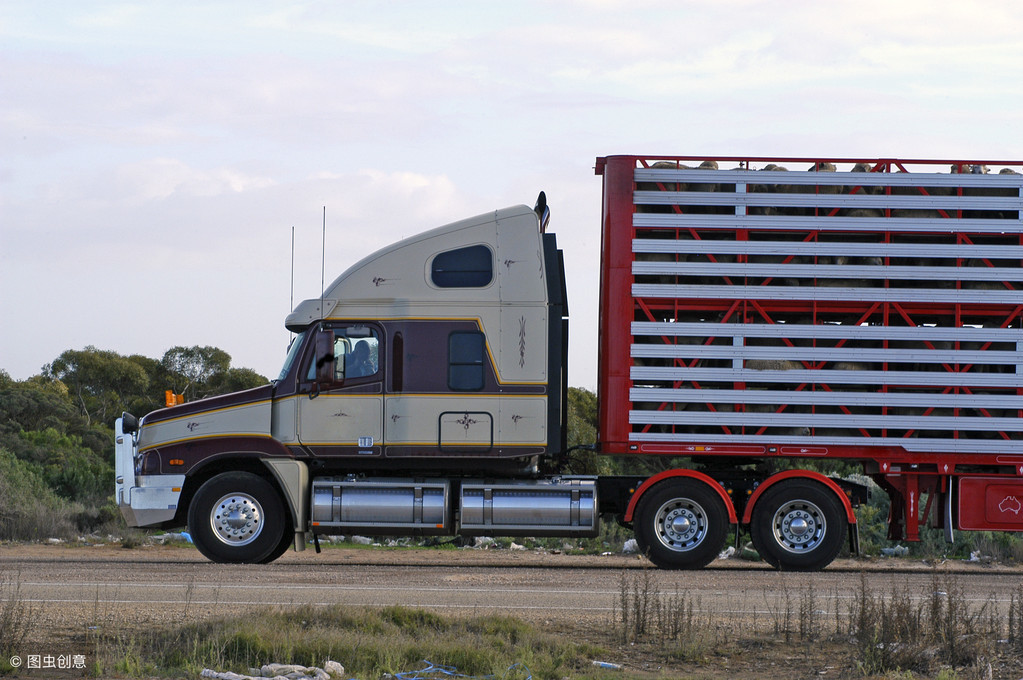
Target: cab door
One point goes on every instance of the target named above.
(340, 411)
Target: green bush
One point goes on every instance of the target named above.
(29, 509)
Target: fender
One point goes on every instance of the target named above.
(293, 477)
(803, 474)
(692, 474)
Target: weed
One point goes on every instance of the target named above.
(888, 631)
(780, 608)
(1015, 621)
(634, 607)
(896, 633)
(669, 621)
(809, 614)
(955, 629)
(15, 617)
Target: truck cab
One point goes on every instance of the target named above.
(437, 357)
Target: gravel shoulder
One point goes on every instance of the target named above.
(70, 591)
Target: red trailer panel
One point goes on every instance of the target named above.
(991, 504)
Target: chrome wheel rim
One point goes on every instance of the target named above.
(237, 519)
(799, 526)
(681, 524)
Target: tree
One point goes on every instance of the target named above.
(582, 431)
(98, 380)
(582, 416)
(55, 429)
(36, 404)
(236, 379)
(193, 370)
(159, 382)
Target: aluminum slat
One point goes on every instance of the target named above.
(949, 225)
(854, 179)
(816, 445)
(825, 420)
(825, 271)
(812, 200)
(815, 354)
(825, 331)
(825, 398)
(828, 293)
(826, 376)
(788, 248)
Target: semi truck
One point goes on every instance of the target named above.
(760, 319)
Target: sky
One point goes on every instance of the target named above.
(156, 157)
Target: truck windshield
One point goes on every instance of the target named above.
(293, 350)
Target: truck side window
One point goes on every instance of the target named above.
(356, 355)
(470, 267)
(362, 361)
(466, 351)
(341, 347)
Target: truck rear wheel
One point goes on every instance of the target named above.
(238, 517)
(681, 524)
(798, 525)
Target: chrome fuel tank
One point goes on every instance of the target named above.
(382, 505)
(562, 506)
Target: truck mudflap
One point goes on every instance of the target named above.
(144, 500)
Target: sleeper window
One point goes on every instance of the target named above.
(471, 267)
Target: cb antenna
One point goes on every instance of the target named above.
(292, 268)
(323, 258)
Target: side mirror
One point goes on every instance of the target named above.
(129, 423)
(325, 358)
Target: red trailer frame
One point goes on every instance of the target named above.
(864, 309)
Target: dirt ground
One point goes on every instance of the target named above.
(744, 608)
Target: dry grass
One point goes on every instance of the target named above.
(882, 633)
(368, 642)
(15, 619)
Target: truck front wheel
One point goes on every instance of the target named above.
(237, 517)
(798, 525)
(287, 538)
(681, 524)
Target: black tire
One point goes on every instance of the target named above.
(798, 525)
(287, 539)
(681, 524)
(237, 517)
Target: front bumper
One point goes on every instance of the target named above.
(144, 500)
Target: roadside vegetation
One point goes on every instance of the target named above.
(369, 643)
(887, 632)
(56, 432)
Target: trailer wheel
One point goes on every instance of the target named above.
(798, 525)
(237, 517)
(681, 525)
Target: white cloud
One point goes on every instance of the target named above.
(157, 155)
(161, 178)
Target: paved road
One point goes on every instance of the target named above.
(75, 589)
